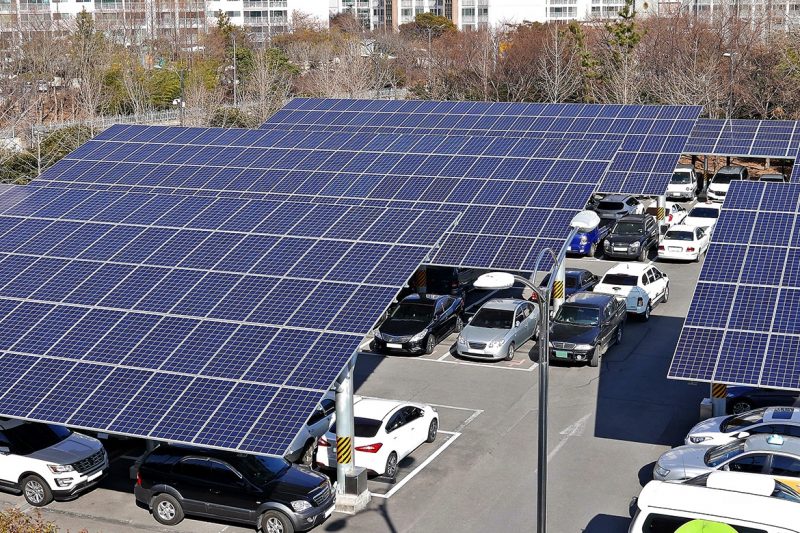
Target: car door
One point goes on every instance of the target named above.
(230, 496)
(9, 472)
(646, 283)
(415, 429)
(660, 281)
(520, 326)
(701, 240)
(532, 318)
(786, 469)
(754, 463)
(190, 477)
(606, 323)
(439, 328)
(319, 422)
(396, 435)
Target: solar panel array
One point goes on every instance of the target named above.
(210, 321)
(743, 325)
(651, 137)
(745, 138)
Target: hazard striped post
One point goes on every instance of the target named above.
(559, 291)
(344, 427)
(661, 214)
(344, 450)
(719, 395)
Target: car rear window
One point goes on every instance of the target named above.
(610, 206)
(704, 212)
(364, 427)
(620, 279)
(679, 236)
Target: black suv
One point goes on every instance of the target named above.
(632, 237)
(586, 326)
(265, 492)
(418, 323)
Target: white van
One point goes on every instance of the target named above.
(750, 503)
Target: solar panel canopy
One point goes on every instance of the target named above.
(745, 138)
(209, 321)
(743, 326)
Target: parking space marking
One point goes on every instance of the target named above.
(468, 363)
(573, 430)
(423, 464)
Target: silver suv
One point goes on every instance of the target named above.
(46, 462)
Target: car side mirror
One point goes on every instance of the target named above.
(742, 435)
(516, 324)
(5, 450)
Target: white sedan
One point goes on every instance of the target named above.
(674, 213)
(641, 285)
(385, 433)
(685, 243)
(766, 420)
(704, 216)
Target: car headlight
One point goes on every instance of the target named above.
(661, 471)
(698, 440)
(300, 505)
(419, 336)
(689, 188)
(584, 239)
(377, 334)
(461, 340)
(60, 469)
(606, 245)
(583, 347)
(634, 245)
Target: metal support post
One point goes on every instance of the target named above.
(181, 102)
(719, 393)
(559, 286)
(544, 371)
(344, 427)
(662, 212)
(705, 172)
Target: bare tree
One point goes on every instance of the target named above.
(269, 84)
(557, 75)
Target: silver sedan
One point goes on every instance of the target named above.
(498, 328)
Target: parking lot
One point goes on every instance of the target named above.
(607, 426)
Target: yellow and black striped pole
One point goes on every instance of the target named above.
(719, 394)
(559, 292)
(344, 450)
(661, 214)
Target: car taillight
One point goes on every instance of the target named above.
(640, 302)
(661, 247)
(690, 249)
(138, 479)
(669, 218)
(323, 442)
(370, 448)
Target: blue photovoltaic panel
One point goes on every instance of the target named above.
(335, 170)
(125, 313)
(743, 326)
(745, 138)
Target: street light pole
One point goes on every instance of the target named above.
(729, 113)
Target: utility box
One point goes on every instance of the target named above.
(705, 409)
(355, 482)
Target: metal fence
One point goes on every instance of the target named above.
(99, 123)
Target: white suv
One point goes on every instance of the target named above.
(46, 462)
(642, 286)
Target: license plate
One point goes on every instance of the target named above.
(328, 512)
(675, 249)
(94, 476)
(394, 345)
(562, 354)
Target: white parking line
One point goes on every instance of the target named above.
(573, 430)
(423, 464)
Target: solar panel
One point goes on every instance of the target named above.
(651, 137)
(745, 138)
(743, 326)
(200, 320)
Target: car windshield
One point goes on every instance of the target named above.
(675, 235)
(492, 318)
(723, 178)
(744, 420)
(413, 311)
(704, 212)
(628, 228)
(258, 467)
(582, 316)
(773, 177)
(719, 454)
(363, 427)
(681, 178)
(620, 279)
(28, 438)
(610, 206)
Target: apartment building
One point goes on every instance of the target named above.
(265, 18)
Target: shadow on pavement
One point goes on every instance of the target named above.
(340, 524)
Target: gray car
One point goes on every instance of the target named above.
(616, 206)
(498, 328)
(760, 454)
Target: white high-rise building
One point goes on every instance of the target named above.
(265, 18)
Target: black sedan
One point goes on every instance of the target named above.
(742, 399)
(418, 323)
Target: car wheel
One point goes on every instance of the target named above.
(593, 250)
(36, 491)
(309, 453)
(643, 255)
(740, 405)
(391, 466)
(646, 314)
(433, 429)
(510, 352)
(665, 298)
(167, 510)
(459, 324)
(430, 343)
(618, 336)
(276, 522)
(595, 358)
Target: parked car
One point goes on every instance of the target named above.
(267, 493)
(684, 183)
(721, 181)
(586, 242)
(303, 447)
(575, 280)
(616, 206)
(585, 327)
(44, 462)
(773, 178)
(704, 216)
(632, 237)
(773, 455)
(673, 214)
(498, 328)
(418, 323)
(595, 199)
(756, 504)
(640, 286)
(449, 280)
(385, 433)
(765, 420)
(741, 399)
(684, 243)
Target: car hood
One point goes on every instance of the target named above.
(297, 481)
(624, 239)
(681, 187)
(400, 328)
(684, 461)
(474, 334)
(720, 187)
(711, 425)
(70, 450)
(699, 222)
(573, 333)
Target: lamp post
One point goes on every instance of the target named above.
(585, 220)
(729, 113)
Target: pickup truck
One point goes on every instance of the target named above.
(586, 326)
(587, 242)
